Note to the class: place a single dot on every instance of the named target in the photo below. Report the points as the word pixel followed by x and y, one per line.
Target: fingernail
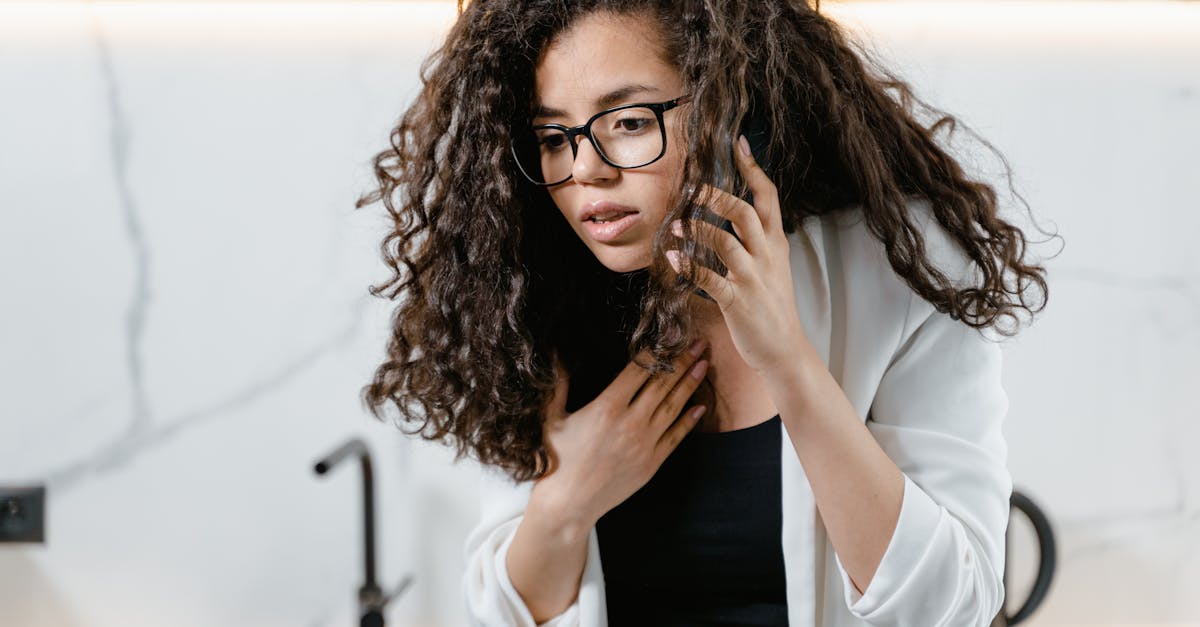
pixel 697 347
pixel 673 259
pixel 698 370
pixel 744 145
pixel 677 227
pixel 698 411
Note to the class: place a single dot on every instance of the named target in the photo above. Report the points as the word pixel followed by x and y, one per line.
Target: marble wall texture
pixel 185 321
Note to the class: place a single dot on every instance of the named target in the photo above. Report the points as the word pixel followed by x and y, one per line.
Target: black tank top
pixel 700 543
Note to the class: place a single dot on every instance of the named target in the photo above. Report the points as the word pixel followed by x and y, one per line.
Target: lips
pixel 614 231
pixel 609 216
pixel 604 210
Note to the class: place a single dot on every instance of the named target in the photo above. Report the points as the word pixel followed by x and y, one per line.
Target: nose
pixel 588 165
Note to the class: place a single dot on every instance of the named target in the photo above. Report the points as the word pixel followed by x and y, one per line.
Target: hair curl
pixel 494 287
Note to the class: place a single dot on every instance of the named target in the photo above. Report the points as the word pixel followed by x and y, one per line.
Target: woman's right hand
pixel 608 449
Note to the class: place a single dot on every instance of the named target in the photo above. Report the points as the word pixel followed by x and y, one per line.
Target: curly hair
pixel 494 288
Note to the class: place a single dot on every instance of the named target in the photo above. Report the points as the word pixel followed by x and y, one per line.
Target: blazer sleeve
pixel 491 599
pixel 938 414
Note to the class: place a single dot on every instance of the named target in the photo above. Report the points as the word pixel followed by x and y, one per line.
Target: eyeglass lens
pixel 627 137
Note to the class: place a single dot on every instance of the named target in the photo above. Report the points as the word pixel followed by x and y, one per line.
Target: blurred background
pixel 186 322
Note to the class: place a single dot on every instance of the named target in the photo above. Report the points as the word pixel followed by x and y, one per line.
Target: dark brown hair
pixel 492 284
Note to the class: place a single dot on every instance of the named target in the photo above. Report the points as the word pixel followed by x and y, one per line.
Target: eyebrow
pixel 604 102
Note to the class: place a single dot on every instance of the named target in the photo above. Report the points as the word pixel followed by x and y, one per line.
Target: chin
pixel 625 268
pixel 622 260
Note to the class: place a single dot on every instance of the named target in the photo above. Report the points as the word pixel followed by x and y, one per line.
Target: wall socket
pixel 23 514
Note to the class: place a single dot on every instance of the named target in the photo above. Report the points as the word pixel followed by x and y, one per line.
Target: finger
pixel 668 410
pixel 657 388
pixel 630 379
pixel 762 188
pixel 732 253
pixel 717 286
pixel 747 223
pixel 678 431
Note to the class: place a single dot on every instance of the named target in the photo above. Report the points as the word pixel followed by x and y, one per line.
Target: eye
pixel 552 141
pixel 634 124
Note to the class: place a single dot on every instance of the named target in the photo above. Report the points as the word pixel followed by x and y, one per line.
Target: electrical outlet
pixel 23 514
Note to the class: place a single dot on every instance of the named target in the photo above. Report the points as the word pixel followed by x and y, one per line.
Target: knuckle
pixel 619 421
pixel 625 438
pixel 653 386
pixel 639 452
pixel 609 410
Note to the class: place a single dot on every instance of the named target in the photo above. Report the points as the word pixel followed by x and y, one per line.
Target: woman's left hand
pixel 756 296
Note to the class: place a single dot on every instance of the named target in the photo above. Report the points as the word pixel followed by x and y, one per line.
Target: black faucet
pixel 371 599
pixel 1047 560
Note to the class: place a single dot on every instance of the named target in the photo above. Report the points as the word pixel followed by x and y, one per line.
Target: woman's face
pixel 600 54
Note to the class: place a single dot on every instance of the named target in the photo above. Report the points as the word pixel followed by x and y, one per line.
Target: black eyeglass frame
pixel 585 129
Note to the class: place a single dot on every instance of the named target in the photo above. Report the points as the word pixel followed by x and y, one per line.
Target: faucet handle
pixel 372 602
pixel 399 589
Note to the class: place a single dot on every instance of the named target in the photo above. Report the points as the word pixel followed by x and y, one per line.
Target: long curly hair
pixel 494 287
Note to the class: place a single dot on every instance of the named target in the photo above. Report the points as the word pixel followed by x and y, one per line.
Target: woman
pixel 830 450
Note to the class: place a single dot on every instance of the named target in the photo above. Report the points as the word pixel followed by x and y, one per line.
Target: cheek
pixel 561 202
pixel 675 157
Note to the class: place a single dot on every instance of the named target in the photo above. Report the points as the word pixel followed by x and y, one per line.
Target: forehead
pixel 598 56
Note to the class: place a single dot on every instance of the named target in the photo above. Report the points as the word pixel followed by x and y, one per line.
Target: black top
pixel 700 543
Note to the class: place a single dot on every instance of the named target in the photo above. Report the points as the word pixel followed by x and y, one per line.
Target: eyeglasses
pixel 628 136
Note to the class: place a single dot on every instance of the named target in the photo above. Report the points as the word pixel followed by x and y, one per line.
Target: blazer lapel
pixel 803 533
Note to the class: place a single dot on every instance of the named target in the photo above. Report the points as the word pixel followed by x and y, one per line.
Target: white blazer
pixel 928 388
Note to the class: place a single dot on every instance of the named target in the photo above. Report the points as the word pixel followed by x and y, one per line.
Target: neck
pixel 735 394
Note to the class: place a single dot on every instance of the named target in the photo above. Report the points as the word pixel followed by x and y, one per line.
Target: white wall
pixel 185 324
